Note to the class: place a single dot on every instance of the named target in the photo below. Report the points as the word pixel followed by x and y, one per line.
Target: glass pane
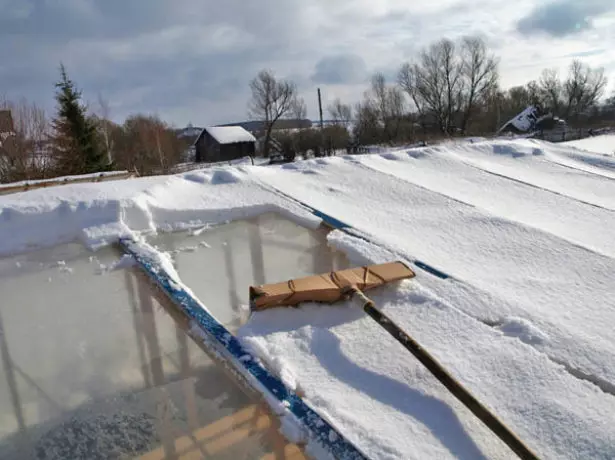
pixel 97 365
pixel 219 264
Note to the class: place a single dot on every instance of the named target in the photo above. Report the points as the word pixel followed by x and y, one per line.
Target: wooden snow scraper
pixel 345 284
pixel 327 288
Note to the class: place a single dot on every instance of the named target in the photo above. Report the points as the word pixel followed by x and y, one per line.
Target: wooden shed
pixel 224 143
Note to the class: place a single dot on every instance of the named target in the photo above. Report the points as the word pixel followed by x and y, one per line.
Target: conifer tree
pixel 75 143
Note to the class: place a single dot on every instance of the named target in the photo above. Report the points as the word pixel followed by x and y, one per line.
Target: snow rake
pixel 346 284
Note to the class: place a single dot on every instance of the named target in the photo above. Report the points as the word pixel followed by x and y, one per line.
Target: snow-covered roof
pixel 524 121
pixel 230 134
pixel 527 323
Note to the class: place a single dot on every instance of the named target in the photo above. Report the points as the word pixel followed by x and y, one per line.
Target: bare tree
pixel 367 128
pixel 452 72
pixel 534 94
pixel 395 113
pixel 408 79
pixel 582 89
pixel 291 144
pixel 551 90
pixel 435 84
pixel 105 126
pixel 381 111
pixel 340 113
pixel 147 144
pixel 25 155
pixel 271 100
pixel 389 104
pixel 480 70
pixel 298 109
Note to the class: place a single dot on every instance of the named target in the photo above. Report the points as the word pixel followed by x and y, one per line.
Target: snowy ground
pixel 599 144
pixel 524 230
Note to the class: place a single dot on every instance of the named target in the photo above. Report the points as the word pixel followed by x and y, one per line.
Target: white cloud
pixel 560 18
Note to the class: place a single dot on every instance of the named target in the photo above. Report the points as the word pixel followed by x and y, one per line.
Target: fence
pixel 24 186
pixel 571 134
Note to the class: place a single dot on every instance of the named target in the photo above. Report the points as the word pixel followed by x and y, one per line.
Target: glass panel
pixel 219 264
pixel 94 366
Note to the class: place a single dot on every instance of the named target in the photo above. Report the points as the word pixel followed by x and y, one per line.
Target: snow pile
pixel 99 214
pixel 524 330
pixel 230 134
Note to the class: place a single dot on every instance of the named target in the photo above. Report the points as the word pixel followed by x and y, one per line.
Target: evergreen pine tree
pixel 76 143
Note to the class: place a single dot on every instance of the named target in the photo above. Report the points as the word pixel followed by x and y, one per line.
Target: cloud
pixel 561 18
pixel 152 55
pixel 340 69
pixel 192 60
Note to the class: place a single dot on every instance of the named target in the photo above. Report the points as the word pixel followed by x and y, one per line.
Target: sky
pixel 191 61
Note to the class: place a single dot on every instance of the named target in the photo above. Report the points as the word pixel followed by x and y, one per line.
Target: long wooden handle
pixel 454 386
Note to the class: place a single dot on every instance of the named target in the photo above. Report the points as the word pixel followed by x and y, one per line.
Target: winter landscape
pixel 520 228
pixel 473 144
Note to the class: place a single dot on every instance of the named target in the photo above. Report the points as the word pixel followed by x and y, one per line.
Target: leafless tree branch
pixel 271 100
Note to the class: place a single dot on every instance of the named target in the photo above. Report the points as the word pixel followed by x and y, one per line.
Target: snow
pixel 522 227
pixel 126 261
pixel 353 372
pixel 524 330
pixel 230 134
pixel 99 214
pixel 599 144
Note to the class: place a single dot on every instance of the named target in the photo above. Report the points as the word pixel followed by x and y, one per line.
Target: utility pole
pixel 320 109
pixel 322 132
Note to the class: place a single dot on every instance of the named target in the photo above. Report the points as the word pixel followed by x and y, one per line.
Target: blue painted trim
pixel 327 219
pixel 430 269
pixel 241 360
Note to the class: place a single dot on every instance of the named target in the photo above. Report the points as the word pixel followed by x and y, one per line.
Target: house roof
pixel 229 134
pixel 522 122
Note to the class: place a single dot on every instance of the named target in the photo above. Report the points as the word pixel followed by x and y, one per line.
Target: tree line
pixel 78 140
pixel 450 88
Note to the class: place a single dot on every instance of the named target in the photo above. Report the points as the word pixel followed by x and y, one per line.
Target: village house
pixel 224 143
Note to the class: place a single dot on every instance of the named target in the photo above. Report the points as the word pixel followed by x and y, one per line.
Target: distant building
pixel 281 125
pixel 525 122
pixel 189 131
pixel 532 122
pixel 223 143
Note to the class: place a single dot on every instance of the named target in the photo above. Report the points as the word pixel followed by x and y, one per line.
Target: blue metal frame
pixel 241 360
